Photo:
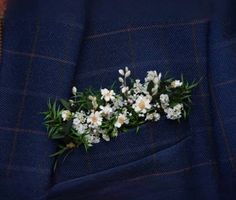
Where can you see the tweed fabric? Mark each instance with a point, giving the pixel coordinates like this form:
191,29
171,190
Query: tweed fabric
53,46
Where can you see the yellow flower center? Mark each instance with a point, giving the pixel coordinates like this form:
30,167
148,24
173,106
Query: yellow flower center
94,119
121,120
141,105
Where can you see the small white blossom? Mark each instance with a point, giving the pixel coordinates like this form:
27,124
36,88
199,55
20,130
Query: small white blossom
93,138
66,114
95,119
141,115
79,127
153,116
157,105
164,98
106,137
106,110
107,95
176,83
118,102
124,89
142,104
81,116
156,116
138,87
152,76
121,119
175,112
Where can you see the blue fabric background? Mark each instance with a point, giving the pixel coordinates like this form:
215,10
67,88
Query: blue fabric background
49,46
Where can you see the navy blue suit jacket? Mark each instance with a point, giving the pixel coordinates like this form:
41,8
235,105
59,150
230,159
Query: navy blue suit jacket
49,46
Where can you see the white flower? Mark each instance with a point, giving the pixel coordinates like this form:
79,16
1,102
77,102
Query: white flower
95,119
118,102
93,138
106,137
153,116
157,105
66,114
152,76
124,89
142,104
176,83
107,95
121,119
175,112
156,116
74,90
79,122
79,127
138,87
106,110
81,116
164,98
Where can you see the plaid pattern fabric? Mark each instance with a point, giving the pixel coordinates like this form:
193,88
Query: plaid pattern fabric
49,47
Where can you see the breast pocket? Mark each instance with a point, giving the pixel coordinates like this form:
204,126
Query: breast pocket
174,48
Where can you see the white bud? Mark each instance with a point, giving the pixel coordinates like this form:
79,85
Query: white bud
126,69
74,90
127,74
121,72
121,79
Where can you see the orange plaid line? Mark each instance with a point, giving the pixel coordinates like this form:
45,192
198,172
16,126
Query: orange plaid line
131,29
226,82
33,55
182,170
23,130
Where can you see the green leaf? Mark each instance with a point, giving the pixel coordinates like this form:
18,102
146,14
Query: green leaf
60,152
65,103
138,130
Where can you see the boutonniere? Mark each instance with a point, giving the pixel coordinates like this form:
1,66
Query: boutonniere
94,115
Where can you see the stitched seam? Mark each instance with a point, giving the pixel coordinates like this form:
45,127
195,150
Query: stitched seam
174,172
171,172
